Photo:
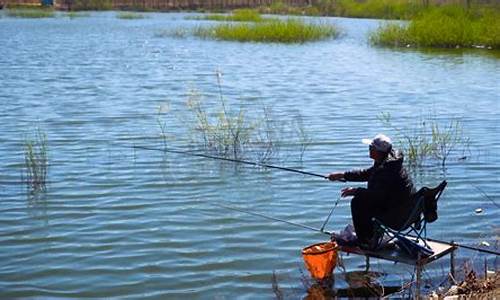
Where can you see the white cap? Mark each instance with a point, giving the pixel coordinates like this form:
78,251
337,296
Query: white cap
380,142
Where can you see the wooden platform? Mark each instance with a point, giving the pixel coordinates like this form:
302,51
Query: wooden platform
397,255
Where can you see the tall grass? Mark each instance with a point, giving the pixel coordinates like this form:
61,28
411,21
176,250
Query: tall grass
31,13
237,15
92,5
380,9
383,9
429,139
36,161
223,130
447,27
276,31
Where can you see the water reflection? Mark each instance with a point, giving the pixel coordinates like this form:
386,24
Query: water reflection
359,284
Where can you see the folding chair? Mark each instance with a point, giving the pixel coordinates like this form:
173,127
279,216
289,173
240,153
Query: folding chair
411,237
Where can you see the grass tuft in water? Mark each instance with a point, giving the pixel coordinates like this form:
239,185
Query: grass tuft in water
36,161
237,15
221,130
275,31
92,4
383,9
447,27
31,13
129,15
429,139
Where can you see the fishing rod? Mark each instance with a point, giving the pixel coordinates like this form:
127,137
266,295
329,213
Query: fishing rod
329,233
190,153
330,214
465,246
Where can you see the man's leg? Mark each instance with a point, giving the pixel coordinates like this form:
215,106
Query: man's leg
362,210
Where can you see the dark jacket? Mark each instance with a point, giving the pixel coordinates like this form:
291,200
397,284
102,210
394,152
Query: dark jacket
388,182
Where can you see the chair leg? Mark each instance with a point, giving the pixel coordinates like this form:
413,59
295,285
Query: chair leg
452,263
367,263
419,278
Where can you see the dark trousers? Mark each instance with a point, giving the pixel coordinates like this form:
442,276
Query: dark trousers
363,209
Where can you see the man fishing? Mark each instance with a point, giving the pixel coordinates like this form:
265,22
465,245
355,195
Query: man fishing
387,196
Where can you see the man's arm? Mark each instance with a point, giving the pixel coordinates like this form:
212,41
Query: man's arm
358,175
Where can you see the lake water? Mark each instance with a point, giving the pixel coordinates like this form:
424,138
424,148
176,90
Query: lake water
122,223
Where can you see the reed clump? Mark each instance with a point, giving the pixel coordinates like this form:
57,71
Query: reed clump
125,15
429,140
446,27
274,31
220,129
31,13
237,15
382,9
92,5
36,161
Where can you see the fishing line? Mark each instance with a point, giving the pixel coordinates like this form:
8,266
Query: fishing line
272,218
485,195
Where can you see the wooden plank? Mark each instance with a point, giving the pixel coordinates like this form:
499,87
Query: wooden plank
397,255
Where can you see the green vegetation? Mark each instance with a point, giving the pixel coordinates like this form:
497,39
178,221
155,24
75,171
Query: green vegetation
447,27
129,16
384,9
429,139
379,9
275,31
31,13
218,129
238,15
36,161
92,5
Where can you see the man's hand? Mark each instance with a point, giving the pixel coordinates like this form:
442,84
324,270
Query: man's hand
335,176
349,191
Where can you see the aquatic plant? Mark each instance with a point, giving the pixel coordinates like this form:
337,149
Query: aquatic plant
383,9
380,9
129,15
275,31
31,13
219,129
428,139
237,15
92,5
446,27
36,161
